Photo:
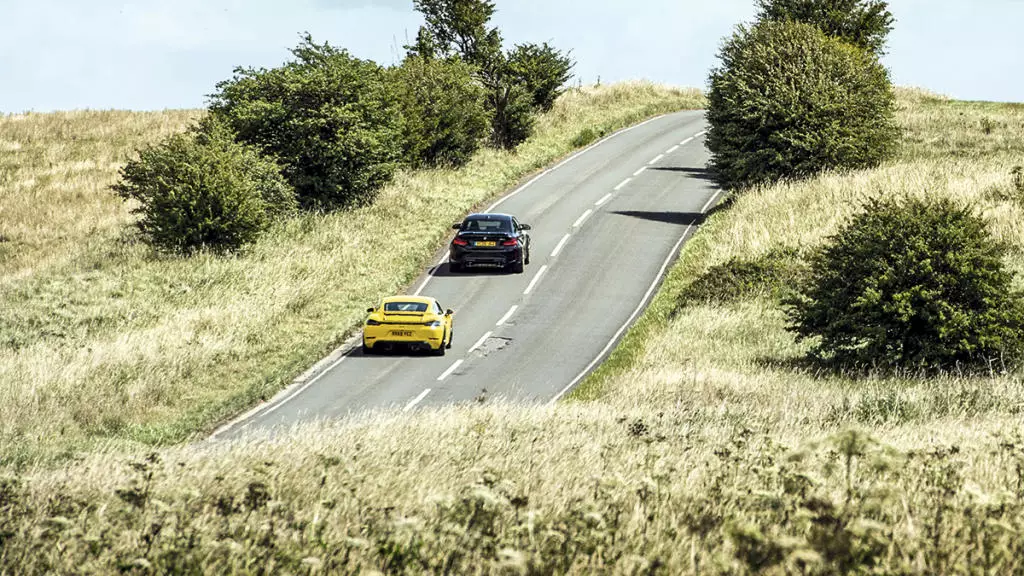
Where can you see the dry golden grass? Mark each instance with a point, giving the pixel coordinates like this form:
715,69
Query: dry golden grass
704,448
102,339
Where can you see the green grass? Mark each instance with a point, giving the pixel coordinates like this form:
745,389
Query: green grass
706,446
101,339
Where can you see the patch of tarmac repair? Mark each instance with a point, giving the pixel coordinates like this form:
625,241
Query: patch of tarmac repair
493,344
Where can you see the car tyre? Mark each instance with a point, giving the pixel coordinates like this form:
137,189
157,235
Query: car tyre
527,257
517,267
451,336
440,349
366,349
455,267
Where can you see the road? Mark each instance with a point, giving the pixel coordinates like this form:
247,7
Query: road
606,223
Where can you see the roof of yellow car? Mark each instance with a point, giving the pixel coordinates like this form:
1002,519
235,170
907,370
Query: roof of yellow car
426,299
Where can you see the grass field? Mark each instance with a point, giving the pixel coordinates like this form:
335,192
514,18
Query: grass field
703,447
103,340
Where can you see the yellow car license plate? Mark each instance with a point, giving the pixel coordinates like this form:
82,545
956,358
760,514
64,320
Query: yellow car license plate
405,333
486,244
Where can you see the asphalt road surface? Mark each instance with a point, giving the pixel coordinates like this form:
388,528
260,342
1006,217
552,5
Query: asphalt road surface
606,224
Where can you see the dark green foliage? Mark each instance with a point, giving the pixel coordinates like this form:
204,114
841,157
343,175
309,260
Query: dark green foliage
542,70
771,273
332,121
203,189
444,119
457,27
863,23
910,284
790,102
513,114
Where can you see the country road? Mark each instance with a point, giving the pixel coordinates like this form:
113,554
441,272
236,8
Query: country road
606,224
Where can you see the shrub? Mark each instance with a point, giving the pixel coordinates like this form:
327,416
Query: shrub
512,119
863,23
771,274
203,189
789,102
542,70
586,136
332,121
910,284
444,119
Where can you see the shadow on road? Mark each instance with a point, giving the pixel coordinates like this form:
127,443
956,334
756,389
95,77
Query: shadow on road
700,173
444,270
678,218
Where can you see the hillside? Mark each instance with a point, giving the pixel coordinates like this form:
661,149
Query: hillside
704,445
103,340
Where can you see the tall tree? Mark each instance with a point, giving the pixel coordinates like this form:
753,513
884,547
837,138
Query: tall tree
459,27
863,23
542,70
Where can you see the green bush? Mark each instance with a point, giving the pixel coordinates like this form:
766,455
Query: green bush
789,102
444,119
910,284
513,117
863,23
331,120
542,70
771,274
203,189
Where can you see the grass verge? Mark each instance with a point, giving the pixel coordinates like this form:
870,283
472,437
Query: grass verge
707,448
103,340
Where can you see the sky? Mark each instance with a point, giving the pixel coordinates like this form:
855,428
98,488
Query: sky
156,54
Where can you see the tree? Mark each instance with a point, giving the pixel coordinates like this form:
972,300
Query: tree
863,23
202,189
542,70
789,101
914,284
332,120
513,118
443,110
459,27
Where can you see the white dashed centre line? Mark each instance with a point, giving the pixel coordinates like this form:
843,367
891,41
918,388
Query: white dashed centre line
656,158
699,134
507,315
687,141
603,199
536,279
416,400
582,218
561,244
637,173
450,369
479,342
621,184
672,149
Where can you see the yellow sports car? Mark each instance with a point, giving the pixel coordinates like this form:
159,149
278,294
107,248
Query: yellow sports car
413,321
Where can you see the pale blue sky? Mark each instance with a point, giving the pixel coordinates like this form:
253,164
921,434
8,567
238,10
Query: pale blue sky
143,55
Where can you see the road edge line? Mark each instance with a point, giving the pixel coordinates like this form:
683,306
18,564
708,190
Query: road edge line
643,303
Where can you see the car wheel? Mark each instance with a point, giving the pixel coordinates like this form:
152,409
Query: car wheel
367,349
455,267
517,267
440,348
526,256
451,336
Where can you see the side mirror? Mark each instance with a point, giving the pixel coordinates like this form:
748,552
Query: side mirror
449,312
457,226
370,310
524,227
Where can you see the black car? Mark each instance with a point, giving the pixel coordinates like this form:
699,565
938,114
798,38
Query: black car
490,240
